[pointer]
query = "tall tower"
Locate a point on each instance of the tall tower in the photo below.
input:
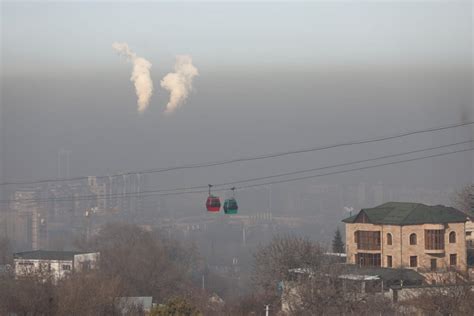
(63, 163)
(2, 151)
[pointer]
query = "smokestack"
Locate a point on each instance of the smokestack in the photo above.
(179, 83)
(140, 75)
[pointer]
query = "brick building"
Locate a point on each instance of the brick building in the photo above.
(407, 235)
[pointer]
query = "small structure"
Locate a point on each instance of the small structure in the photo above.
(373, 279)
(134, 305)
(56, 264)
(350, 280)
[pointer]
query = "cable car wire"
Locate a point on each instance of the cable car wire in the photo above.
(196, 189)
(244, 159)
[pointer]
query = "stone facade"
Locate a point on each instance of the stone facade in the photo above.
(401, 250)
(470, 234)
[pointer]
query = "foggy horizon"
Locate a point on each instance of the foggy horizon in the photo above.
(270, 78)
(236, 158)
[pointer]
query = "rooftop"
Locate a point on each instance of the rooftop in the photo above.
(389, 275)
(402, 213)
(46, 255)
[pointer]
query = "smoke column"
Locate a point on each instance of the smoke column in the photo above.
(179, 83)
(140, 75)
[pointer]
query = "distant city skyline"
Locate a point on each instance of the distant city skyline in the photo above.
(272, 77)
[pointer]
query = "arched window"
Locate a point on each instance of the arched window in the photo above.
(389, 239)
(413, 239)
(452, 237)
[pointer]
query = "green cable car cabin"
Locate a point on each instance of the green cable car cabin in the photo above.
(230, 206)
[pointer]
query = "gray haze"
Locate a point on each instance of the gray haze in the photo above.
(247, 102)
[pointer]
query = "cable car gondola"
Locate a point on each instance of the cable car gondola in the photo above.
(213, 203)
(230, 205)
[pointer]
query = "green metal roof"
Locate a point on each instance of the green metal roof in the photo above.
(387, 274)
(46, 255)
(401, 213)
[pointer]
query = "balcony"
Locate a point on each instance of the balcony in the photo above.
(434, 241)
(435, 251)
(368, 240)
(369, 246)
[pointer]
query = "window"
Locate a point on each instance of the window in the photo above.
(468, 233)
(433, 264)
(66, 267)
(453, 260)
(389, 261)
(367, 240)
(389, 239)
(85, 265)
(434, 239)
(368, 259)
(413, 239)
(452, 237)
(413, 261)
(26, 263)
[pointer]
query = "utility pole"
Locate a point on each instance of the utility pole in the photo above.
(267, 310)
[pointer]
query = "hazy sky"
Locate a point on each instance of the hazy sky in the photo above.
(273, 77)
(55, 37)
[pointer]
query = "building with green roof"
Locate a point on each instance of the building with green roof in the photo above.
(407, 235)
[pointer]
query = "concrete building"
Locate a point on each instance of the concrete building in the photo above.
(100, 190)
(407, 235)
(55, 263)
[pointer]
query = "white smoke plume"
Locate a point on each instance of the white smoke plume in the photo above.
(140, 75)
(348, 209)
(179, 83)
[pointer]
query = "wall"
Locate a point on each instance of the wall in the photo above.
(55, 267)
(86, 261)
(401, 250)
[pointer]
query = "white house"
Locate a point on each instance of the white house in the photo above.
(54, 263)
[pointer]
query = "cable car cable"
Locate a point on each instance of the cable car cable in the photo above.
(242, 159)
(189, 191)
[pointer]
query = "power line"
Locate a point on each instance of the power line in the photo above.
(272, 176)
(243, 159)
(189, 190)
(346, 163)
(354, 169)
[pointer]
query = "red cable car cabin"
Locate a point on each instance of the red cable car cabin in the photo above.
(213, 204)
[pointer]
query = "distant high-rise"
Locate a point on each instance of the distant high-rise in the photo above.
(64, 157)
(2, 153)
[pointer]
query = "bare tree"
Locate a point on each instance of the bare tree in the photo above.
(146, 263)
(444, 300)
(33, 294)
(311, 283)
(88, 293)
(323, 293)
(274, 261)
(464, 199)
